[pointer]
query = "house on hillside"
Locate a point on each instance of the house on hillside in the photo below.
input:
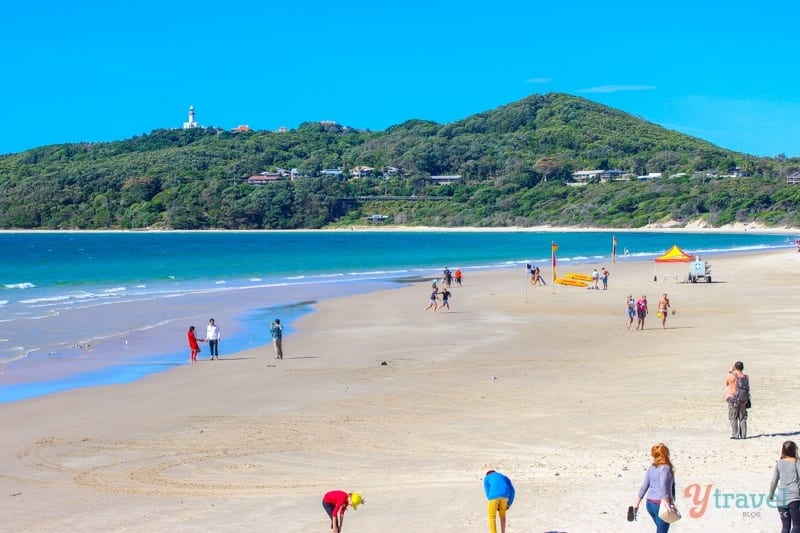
(585, 176)
(649, 176)
(793, 178)
(332, 172)
(262, 178)
(361, 172)
(445, 180)
(735, 173)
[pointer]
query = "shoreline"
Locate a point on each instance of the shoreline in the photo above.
(44, 377)
(692, 227)
(137, 353)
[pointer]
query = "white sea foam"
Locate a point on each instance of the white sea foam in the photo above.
(115, 290)
(42, 317)
(374, 273)
(3, 302)
(24, 285)
(49, 300)
(9, 355)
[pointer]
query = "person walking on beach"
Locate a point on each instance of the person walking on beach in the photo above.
(500, 493)
(536, 278)
(595, 278)
(446, 299)
(663, 309)
(658, 484)
(738, 398)
(335, 504)
(458, 275)
(213, 337)
(604, 278)
(276, 330)
(641, 312)
(194, 348)
(433, 302)
(786, 479)
(630, 310)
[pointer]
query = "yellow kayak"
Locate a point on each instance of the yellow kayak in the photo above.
(579, 277)
(571, 282)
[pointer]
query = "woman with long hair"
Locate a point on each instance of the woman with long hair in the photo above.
(658, 484)
(786, 479)
(194, 348)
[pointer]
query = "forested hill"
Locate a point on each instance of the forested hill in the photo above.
(515, 164)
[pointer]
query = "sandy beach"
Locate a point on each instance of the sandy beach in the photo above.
(544, 384)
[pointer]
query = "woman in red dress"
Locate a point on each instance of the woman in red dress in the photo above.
(193, 346)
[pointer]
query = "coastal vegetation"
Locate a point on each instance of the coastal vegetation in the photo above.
(515, 165)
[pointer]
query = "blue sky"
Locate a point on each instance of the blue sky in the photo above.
(103, 71)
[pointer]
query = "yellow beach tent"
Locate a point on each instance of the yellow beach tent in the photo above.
(675, 255)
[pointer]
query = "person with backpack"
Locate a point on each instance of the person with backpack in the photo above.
(738, 398)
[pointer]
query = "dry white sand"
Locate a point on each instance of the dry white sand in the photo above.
(545, 385)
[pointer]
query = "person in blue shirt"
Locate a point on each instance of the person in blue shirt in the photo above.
(500, 493)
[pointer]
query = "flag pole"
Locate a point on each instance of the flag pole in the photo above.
(553, 250)
(525, 282)
(614, 249)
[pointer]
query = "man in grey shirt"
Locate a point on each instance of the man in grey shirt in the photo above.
(276, 329)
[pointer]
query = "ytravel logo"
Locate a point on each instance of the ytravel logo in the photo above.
(749, 503)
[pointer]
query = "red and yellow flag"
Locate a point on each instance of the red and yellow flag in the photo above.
(554, 249)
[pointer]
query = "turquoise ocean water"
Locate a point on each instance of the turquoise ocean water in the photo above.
(81, 309)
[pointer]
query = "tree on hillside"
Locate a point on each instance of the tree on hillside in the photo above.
(546, 167)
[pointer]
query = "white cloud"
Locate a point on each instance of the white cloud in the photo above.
(617, 88)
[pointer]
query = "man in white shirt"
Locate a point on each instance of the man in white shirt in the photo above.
(213, 337)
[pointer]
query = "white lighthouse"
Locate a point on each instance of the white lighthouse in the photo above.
(191, 123)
